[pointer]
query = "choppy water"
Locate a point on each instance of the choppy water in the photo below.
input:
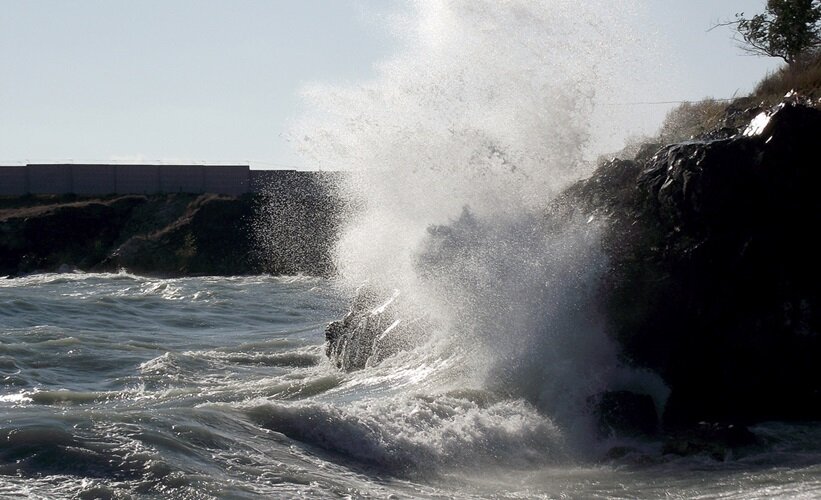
(116, 386)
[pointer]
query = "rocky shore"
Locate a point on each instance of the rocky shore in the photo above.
(713, 281)
(281, 232)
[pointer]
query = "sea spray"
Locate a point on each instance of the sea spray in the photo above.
(454, 155)
(489, 105)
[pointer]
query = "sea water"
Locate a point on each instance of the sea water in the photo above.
(119, 386)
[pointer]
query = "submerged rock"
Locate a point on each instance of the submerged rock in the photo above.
(624, 414)
(712, 439)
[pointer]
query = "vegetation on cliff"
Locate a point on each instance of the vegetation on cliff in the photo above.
(789, 29)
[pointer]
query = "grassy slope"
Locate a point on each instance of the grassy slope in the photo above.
(690, 120)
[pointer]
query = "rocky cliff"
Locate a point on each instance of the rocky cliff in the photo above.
(168, 235)
(715, 281)
(713, 277)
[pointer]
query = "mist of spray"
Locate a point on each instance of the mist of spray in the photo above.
(488, 111)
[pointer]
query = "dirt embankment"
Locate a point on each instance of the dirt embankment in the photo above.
(164, 235)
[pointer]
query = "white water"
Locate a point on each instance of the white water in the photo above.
(491, 104)
(490, 109)
(117, 386)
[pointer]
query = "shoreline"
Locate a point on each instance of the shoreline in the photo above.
(168, 235)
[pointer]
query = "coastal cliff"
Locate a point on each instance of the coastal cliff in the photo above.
(168, 235)
(714, 276)
(711, 282)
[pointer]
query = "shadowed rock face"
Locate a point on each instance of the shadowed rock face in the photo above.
(623, 413)
(210, 237)
(70, 234)
(715, 278)
(714, 440)
(168, 235)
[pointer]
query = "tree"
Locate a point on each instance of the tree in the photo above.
(788, 29)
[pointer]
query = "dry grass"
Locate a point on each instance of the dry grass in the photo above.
(690, 120)
(804, 78)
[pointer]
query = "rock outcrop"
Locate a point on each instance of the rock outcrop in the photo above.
(376, 327)
(624, 413)
(67, 235)
(715, 279)
(168, 235)
(210, 237)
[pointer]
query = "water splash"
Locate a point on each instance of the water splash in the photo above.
(490, 105)
(455, 151)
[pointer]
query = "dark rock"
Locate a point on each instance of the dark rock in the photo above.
(210, 237)
(715, 280)
(624, 414)
(376, 327)
(619, 452)
(167, 235)
(712, 439)
(74, 234)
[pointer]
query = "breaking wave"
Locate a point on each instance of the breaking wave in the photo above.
(455, 152)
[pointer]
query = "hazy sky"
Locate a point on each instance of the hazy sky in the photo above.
(219, 80)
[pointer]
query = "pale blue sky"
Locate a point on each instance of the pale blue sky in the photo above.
(219, 80)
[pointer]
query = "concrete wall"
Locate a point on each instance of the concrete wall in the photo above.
(97, 180)
(50, 179)
(181, 178)
(94, 179)
(137, 179)
(13, 181)
(226, 180)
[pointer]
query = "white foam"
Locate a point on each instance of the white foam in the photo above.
(489, 111)
(420, 433)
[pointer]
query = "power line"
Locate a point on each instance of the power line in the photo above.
(651, 103)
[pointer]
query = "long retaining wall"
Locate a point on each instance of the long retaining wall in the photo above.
(93, 179)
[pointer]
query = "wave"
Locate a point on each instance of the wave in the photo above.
(423, 434)
(456, 150)
(67, 277)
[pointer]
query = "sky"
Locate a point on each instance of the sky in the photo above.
(218, 81)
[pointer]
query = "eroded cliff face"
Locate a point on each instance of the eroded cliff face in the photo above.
(47, 234)
(210, 237)
(165, 235)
